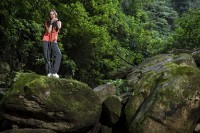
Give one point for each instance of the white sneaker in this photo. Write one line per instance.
(49, 74)
(55, 75)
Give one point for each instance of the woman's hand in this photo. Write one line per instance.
(54, 20)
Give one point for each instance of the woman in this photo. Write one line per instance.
(52, 27)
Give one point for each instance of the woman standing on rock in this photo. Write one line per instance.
(52, 27)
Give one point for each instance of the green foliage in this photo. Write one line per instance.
(121, 86)
(182, 6)
(21, 30)
(187, 34)
(162, 16)
(97, 37)
(97, 33)
(154, 21)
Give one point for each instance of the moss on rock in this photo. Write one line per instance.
(166, 97)
(111, 112)
(63, 100)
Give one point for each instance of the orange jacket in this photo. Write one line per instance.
(51, 37)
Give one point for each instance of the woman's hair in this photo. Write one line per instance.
(54, 11)
(48, 22)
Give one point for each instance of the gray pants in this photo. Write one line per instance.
(51, 48)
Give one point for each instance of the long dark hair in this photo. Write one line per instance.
(54, 24)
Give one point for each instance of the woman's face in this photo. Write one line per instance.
(52, 14)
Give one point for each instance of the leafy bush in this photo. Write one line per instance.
(121, 86)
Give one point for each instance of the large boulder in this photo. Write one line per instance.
(166, 95)
(4, 67)
(5, 78)
(28, 131)
(105, 129)
(4, 75)
(197, 129)
(58, 104)
(104, 91)
(196, 56)
(111, 110)
(157, 63)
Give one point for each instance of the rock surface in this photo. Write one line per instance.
(5, 78)
(28, 131)
(111, 110)
(58, 104)
(166, 95)
(104, 91)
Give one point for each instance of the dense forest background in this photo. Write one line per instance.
(98, 37)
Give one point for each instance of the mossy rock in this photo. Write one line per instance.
(170, 104)
(28, 131)
(157, 63)
(105, 129)
(111, 111)
(62, 105)
(166, 97)
(104, 91)
(4, 67)
(197, 59)
(5, 75)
